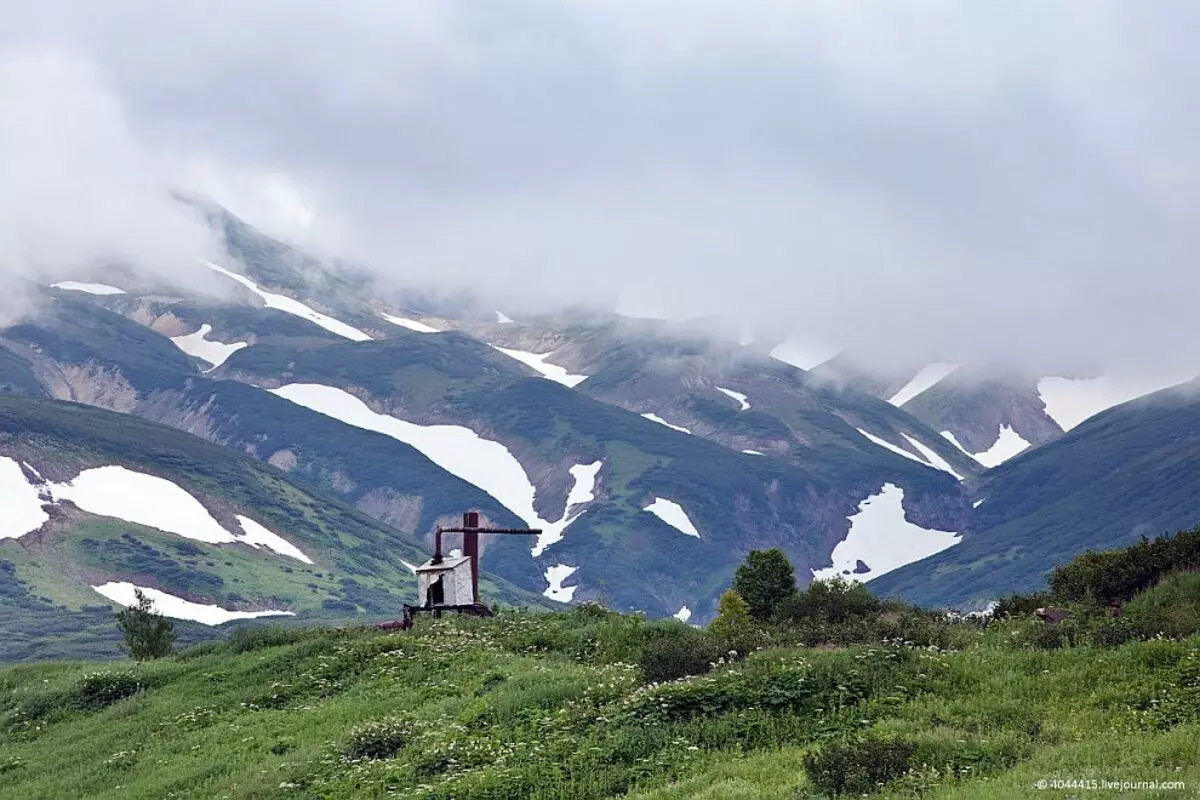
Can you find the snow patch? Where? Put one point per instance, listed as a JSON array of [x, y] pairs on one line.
[[683, 614], [884, 539], [673, 514], [951, 438], [546, 370], [661, 421], [259, 535], [582, 491], [411, 324], [501, 319], [555, 576], [928, 377], [90, 288], [458, 450], [1070, 401], [753, 453], [741, 398], [135, 497], [977, 503], [292, 306], [889, 446], [169, 605], [1007, 445], [803, 353], [215, 353], [933, 458], [22, 508], [144, 500]]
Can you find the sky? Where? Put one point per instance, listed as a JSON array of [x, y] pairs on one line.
[[1011, 181]]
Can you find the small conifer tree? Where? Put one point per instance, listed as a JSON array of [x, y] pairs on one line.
[[733, 628], [148, 634]]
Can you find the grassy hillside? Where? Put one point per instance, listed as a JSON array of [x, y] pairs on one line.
[[359, 570], [1130, 471], [557, 706]]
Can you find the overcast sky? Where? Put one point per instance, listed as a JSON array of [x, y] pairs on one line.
[[990, 179]]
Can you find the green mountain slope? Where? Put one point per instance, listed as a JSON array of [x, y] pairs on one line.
[[1130, 471], [622, 553], [359, 569]]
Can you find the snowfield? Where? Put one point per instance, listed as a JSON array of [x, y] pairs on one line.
[[257, 535], [501, 319], [542, 367], [22, 508], [673, 514], [753, 453], [928, 377], [1070, 401], [582, 492], [122, 593], [661, 421], [950, 438], [555, 576], [931, 459], [90, 288], [458, 450], [1007, 445], [883, 539], [294, 307], [803, 353], [135, 497], [411, 324], [738, 396], [197, 345], [145, 500]]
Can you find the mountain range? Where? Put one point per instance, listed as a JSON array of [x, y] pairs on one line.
[[653, 454]]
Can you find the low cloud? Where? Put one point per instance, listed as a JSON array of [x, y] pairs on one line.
[[80, 192], [1011, 182]]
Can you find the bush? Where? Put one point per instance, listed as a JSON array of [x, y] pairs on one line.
[[674, 650], [1121, 574], [733, 630], [148, 634], [1171, 608], [764, 581], [1021, 605], [100, 689], [379, 739], [834, 600], [859, 766]]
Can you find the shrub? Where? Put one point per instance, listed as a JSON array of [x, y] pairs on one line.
[[148, 634], [674, 650], [379, 739], [733, 630], [858, 766], [1121, 574], [1021, 605], [100, 689], [765, 580], [834, 600], [1171, 608]]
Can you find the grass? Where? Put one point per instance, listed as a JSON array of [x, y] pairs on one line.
[[556, 705]]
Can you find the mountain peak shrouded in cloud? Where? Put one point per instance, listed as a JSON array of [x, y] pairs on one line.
[[1006, 183]]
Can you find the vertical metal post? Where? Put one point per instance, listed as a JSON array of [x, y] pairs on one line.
[[471, 549]]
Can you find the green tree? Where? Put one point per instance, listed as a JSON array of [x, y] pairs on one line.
[[733, 628], [148, 634], [764, 581]]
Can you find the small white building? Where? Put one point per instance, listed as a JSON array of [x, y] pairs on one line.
[[445, 584]]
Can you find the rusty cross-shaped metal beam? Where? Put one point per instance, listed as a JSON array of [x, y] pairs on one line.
[[470, 530]]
